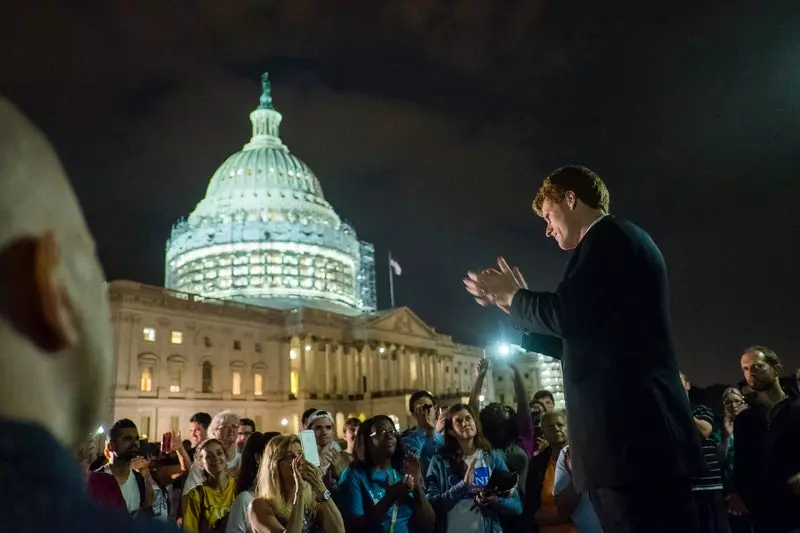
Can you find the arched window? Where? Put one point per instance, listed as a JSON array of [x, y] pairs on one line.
[[175, 365], [237, 384], [294, 383], [208, 373], [146, 381]]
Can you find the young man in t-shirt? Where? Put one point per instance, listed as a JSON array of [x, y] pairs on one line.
[[131, 471]]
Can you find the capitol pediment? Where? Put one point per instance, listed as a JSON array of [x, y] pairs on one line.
[[402, 320]]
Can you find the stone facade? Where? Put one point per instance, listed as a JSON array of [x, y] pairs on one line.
[[180, 353]]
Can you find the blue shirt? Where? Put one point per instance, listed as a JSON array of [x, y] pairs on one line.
[[361, 489], [44, 490], [416, 441]]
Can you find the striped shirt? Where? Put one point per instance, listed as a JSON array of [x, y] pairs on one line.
[[712, 478]]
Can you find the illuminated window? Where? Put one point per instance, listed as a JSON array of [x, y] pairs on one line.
[[149, 334], [294, 383], [175, 377], [144, 428], [177, 337], [175, 423], [258, 384], [207, 376], [146, 382], [237, 383]]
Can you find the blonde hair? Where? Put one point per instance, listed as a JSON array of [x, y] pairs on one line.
[[268, 479]]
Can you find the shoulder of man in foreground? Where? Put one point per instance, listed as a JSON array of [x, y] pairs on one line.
[[78, 517]]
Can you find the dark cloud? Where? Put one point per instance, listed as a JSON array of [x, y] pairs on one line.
[[430, 123]]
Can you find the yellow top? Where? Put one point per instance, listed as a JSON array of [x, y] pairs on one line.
[[549, 501], [217, 505]]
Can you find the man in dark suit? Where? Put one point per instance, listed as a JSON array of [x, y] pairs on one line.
[[633, 442]]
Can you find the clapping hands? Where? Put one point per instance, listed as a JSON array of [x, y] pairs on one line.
[[495, 287]]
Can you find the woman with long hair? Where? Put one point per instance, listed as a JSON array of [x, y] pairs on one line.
[[290, 494], [253, 451], [457, 483], [209, 503], [382, 491]]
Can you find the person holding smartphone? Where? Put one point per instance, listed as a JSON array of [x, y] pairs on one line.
[[459, 474], [290, 495]]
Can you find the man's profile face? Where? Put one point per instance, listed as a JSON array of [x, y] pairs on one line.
[[758, 373], [197, 433], [686, 385], [561, 224]]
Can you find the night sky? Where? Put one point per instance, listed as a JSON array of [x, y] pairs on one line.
[[430, 124]]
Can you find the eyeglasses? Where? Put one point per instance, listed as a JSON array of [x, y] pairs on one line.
[[381, 433], [462, 421]]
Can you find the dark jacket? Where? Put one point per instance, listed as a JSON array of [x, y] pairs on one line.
[[44, 490], [767, 454], [629, 418]]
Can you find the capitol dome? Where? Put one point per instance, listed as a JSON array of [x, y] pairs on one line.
[[265, 235]]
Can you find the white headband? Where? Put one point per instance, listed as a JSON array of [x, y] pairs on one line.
[[316, 415]]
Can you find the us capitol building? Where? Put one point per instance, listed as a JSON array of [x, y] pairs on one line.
[[270, 309]]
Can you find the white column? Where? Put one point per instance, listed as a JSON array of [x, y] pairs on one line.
[[328, 368]]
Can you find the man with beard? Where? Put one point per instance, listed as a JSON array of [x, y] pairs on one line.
[[56, 351], [767, 435], [246, 428], [131, 471]]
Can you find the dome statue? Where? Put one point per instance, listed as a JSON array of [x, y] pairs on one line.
[[265, 235]]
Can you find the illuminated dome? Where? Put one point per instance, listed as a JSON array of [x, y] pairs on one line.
[[265, 235]]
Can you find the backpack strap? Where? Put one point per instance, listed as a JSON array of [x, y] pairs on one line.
[[142, 491], [201, 520]]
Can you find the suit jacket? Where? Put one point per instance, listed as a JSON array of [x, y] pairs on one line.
[[629, 417]]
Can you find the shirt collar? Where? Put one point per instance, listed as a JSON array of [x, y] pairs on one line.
[[598, 219]]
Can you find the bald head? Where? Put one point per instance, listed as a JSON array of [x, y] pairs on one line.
[[54, 321]]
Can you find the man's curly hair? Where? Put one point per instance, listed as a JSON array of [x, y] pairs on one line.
[[587, 186]]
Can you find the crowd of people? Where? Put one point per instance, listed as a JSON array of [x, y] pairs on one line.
[[459, 469]]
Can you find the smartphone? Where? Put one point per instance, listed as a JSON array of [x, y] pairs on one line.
[[166, 443], [309, 442]]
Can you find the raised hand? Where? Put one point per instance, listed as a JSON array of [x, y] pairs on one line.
[[413, 469], [141, 465], [481, 368], [469, 477], [175, 442], [311, 474], [298, 480], [495, 287]]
